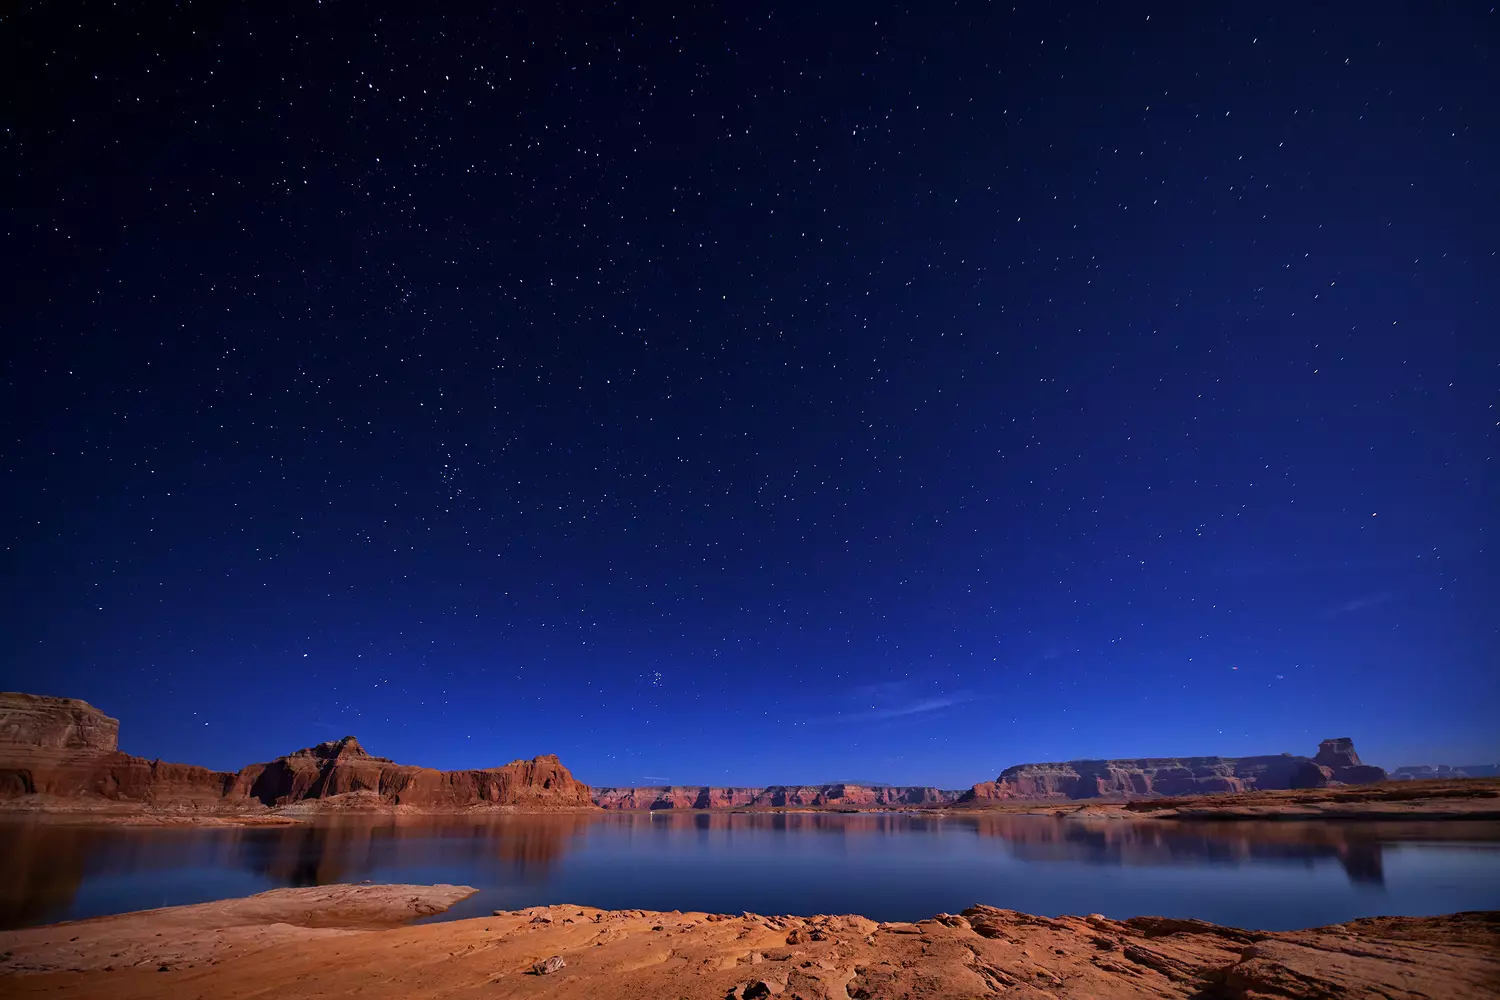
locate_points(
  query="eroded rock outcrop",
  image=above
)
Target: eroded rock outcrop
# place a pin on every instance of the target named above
(340, 767)
(1343, 765)
(1427, 772)
(832, 796)
(1151, 777)
(62, 753)
(62, 749)
(55, 723)
(279, 943)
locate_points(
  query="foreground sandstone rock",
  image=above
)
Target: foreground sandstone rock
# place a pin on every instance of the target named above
(62, 754)
(275, 944)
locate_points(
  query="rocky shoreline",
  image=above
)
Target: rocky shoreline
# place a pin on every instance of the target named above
(344, 939)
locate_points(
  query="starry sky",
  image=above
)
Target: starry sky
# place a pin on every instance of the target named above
(741, 394)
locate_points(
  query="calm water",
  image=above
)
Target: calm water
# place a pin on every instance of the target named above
(889, 867)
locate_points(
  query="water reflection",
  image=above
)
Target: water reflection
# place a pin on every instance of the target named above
(346, 848)
(1358, 847)
(58, 872)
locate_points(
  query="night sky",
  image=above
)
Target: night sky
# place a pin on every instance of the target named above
(732, 394)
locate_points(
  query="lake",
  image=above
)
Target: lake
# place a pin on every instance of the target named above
(886, 866)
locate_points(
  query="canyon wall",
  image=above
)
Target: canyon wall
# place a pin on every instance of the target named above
(65, 749)
(342, 766)
(832, 796)
(63, 753)
(1149, 777)
(56, 723)
(1426, 772)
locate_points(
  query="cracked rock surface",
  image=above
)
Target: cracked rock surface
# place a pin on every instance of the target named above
(327, 942)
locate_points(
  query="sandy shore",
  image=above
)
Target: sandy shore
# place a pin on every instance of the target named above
(339, 941)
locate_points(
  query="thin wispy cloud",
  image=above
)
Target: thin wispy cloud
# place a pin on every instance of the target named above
(1359, 604)
(900, 710)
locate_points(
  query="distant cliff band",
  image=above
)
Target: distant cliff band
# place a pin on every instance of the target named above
(64, 753)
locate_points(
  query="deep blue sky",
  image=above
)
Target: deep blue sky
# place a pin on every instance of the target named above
(733, 396)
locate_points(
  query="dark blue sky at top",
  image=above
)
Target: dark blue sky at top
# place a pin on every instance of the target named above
(743, 395)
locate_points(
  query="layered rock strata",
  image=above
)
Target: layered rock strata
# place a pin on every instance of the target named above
(1427, 772)
(340, 767)
(1154, 777)
(834, 796)
(63, 753)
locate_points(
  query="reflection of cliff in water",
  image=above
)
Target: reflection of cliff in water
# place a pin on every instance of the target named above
(55, 871)
(46, 863)
(1113, 842)
(42, 872)
(1358, 847)
(341, 849)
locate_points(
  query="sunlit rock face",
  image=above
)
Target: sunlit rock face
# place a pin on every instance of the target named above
(55, 723)
(63, 753)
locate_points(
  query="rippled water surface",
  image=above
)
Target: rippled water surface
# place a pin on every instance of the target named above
(889, 867)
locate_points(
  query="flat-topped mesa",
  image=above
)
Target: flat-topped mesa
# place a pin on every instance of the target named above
(36, 720)
(1338, 752)
(1149, 777)
(65, 752)
(831, 796)
(1339, 758)
(1418, 772)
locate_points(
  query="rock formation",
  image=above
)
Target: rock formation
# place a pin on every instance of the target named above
(833, 796)
(1421, 772)
(62, 753)
(62, 748)
(342, 766)
(56, 723)
(1337, 757)
(1163, 776)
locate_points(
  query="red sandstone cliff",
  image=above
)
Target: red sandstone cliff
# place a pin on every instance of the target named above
(61, 752)
(65, 749)
(56, 723)
(341, 766)
(834, 796)
(1165, 776)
